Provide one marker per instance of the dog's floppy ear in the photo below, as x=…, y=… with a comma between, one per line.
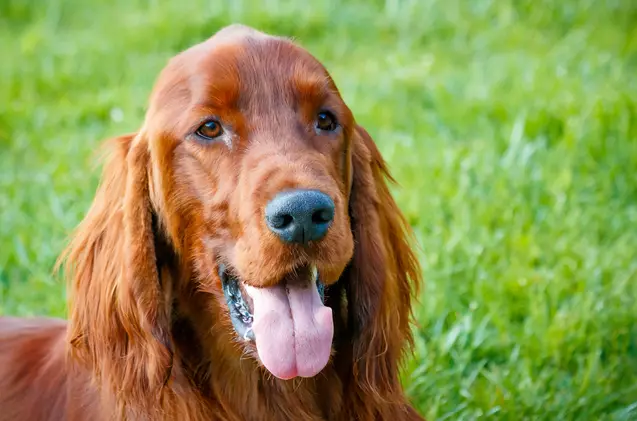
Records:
x=383, y=276
x=119, y=314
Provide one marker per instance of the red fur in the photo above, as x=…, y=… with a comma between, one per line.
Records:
x=148, y=335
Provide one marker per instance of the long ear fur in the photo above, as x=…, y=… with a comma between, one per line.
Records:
x=119, y=317
x=383, y=276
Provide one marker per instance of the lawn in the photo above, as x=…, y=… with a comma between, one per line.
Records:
x=510, y=125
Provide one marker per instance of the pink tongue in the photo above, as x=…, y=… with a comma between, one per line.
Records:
x=293, y=330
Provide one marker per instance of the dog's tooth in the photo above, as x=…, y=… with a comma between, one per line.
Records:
x=314, y=273
x=248, y=335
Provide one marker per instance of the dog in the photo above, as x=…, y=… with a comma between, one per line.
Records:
x=243, y=259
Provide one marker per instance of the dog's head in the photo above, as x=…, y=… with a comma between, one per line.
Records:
x=274, y=203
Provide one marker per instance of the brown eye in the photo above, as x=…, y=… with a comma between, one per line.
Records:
x=326, y=121
x=210, y=130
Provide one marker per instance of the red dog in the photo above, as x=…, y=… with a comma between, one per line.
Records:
x=243, y=259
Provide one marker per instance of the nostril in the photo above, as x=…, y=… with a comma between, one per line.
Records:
x=322, y=216
x=280, y=221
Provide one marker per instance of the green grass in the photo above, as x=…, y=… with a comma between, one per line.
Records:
x=511, y=126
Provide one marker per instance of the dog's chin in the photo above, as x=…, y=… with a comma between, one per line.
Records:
x=287, y=324
x=239, y=301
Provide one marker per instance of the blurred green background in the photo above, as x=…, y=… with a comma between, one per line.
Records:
x=511, y=127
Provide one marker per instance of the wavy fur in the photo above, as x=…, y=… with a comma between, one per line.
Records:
x=148, y=335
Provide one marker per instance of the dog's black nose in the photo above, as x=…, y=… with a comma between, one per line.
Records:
x=300, y=216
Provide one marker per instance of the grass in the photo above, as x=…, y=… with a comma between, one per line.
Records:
x=511, y=126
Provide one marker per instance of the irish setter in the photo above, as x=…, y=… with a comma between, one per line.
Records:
x=243, y=259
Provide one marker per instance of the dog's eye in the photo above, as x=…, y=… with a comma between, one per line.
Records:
x=326, y=121
x=210, y=130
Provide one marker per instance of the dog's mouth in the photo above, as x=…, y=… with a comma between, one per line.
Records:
x=288, y=322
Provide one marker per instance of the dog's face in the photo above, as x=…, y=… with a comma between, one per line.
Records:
x=252, y=174
x=248, y=190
